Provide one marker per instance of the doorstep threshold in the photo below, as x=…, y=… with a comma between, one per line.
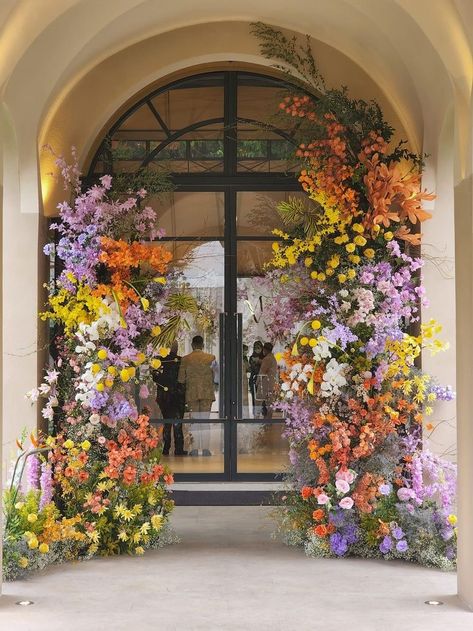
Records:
x=226, y=493
x=199, y=487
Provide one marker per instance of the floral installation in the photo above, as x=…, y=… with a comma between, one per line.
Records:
x=347, y=285
x=97, y=486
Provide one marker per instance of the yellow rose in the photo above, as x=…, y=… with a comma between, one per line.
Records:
x=355, y=259
x=312, y=342
x=86, y=445
x=164, y=352
x=124, y=375
x=369, y=253
x=351, y=274
x=95, y=368
x=350, y=247
x=314, y=275
x=43, y=548
x=69, y=444
x=33, y=543
x=156, y=363
x=357, y=227
x=102, y=354
x=108, y=383
x=155, y=331
x=308, y=261
x=100, y=387
x=321, y=276
x=376, y=228
x=359, y=240
x=329, y=271
x=388, y=235
x=342, y=278
x=140, y=358
x=304, y=341
x=32, y=517
x=315, y=324
x=132, y=371
x=338, y=240
x=23, y=562
x=112, y=371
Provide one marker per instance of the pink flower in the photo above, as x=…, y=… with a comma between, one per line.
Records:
x=405, y=494
x=144, y=392
x=346, y=475
x=101, y=440
x=342, y=486
x=322, y=498
x=346, y=503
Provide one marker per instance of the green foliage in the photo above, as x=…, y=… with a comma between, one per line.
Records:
x=300, y=214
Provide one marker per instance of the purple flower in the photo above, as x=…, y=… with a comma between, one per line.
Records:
x=386, y=545
x=33, y=472
x=46, y=483
x=405, y=494
x=385, y=489
x=397, y=533
x=338, y=544
x=401, y=546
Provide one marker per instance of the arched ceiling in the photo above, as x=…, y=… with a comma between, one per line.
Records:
x=418, y=53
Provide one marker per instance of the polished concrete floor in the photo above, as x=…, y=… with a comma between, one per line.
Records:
x=228, y=573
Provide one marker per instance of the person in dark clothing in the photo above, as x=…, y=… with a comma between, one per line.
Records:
x=171, y=401
x=254, y=361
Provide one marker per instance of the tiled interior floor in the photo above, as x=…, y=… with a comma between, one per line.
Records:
x=228, y=573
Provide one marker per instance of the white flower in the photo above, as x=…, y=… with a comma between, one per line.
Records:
x=47, y=413
x=94, y=419
x=44, y=388
x=33, y=395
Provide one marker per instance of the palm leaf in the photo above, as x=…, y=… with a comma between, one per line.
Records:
x=296, y=214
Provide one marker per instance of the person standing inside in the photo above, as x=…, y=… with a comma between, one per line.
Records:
x=196, y=374
x=170, y=398
x=268, y=380
x=255, y=364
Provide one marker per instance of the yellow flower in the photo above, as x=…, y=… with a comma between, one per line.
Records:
x=157, y=521
x=369, y=253
x=108, y=382
x=329, y=271
x=350, y=247
x=351, y=274
x=139, y=550
x=164, y=352
x=140, y=358
x=122, y=536
x=23, y=562
x=156, y=363
x=132, y=371
x=321, y=276
x=95, y=368
x=314, y=275
x=124, y=374
x=86, y=445
x=308, y=261
x=304, y=341
x=19, y=505
x=112, y=370
x=452, y=519
x=388, y=235
x=315, y=324
x=334, y=261
x=145, y=303
x=312, y=342
x=69, y=444
x=100, y=387
x=155, y=331
x=354, y=258
x=342, y=278
x=275, y=246
x=376, y=228
x=357, y=227
x=102, y=354
x=359, y=240
x=33, y=543
x=43, y=548
x=160, y=279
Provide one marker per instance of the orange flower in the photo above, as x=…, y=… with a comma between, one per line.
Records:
x=306, y=492
x=129, y=475
x=318, y=514
x=321, y=530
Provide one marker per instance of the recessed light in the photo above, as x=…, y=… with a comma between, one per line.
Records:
x=435, y=603
x=24, y=603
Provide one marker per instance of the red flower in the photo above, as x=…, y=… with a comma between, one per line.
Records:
x=306, y=492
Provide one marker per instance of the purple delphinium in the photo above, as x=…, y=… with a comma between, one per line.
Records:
x=401, y=546
x=46, y=484
x=397, y=533
x=338, y=544
x=33, y=472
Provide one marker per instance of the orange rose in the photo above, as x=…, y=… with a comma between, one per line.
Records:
x=306, y=492
x=321, y=530
x=318, y=514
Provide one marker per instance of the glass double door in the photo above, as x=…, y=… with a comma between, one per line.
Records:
x=220, y=241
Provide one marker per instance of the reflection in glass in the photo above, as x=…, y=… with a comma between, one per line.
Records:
x=261, y=448
x=190, y=214
x=199, y=464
